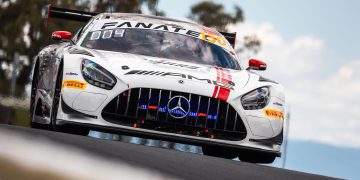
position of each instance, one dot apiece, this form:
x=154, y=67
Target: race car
x=158, y=78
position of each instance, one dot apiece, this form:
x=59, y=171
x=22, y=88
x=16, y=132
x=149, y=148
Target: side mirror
x=255, y=64
x=61, y=35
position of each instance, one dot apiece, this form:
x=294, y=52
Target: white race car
x=159, y=78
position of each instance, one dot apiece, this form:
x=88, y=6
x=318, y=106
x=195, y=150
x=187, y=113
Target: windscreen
x=160, y=44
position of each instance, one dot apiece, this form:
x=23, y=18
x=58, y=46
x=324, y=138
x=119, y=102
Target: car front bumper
x=261, y=147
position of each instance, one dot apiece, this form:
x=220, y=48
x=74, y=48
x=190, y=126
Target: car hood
x=139, y=71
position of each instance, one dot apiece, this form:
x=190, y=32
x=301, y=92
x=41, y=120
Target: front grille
x=148, y=109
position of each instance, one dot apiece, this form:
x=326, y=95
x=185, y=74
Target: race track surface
x=170, y=162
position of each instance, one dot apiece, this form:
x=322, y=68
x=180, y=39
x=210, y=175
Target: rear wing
x=68, y=14
x=231, y=37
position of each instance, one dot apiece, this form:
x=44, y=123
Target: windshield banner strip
x=213, y=38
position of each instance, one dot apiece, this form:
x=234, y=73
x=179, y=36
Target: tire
x=56, y=99
x=36, y=125
x=33, y=103
x=255, y=157
x=34, y=84
x=55, y=107
x=73, y=130
x=218, y=151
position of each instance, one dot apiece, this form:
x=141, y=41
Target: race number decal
x=119, y=32
x=107, y=34
x=95, y=35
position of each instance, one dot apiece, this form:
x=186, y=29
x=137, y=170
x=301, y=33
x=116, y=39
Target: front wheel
x=73, y=130
x=218, y=151
x=35, y=106
x=255, y=157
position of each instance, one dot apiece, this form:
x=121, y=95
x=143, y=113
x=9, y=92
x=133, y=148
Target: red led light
x=152, y=107
x=135, y=125
x=142, y=121
x=202, y=115
x=212, y=136
x=206, y=130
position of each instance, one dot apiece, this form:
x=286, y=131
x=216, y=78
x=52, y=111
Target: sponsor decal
x=75, y=84
x=206, y=34
x=125, y=67
x=213, y=38
x=277, y=103
x=225, y=85
x=71, y=74
x=274, y=113
x=165, y=62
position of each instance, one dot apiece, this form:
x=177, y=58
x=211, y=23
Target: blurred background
x=311, y=47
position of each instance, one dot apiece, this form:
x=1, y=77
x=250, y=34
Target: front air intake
x=148, y=109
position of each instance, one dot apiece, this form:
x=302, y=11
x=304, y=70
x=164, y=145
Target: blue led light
x=176, y=111
x=162, y=109
x=191, y=114
x=143, y=106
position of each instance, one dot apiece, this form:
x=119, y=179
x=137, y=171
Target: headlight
x=256, y=99
x=97, y=75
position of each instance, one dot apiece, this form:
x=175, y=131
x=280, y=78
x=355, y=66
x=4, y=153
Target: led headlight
x=97, y=75
x=256, y=99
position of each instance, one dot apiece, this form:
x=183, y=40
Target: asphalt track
x=171, y=162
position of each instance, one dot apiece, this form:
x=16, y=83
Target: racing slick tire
x=33, y=103
x=218, y=151
x=255, y=157
x=55, y=107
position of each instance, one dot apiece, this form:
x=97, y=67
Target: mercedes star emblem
x=178, y=107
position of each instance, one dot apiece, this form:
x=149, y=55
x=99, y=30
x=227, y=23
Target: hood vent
x=74, y=50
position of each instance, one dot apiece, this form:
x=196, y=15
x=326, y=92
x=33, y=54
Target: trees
x=22, y=30
x=213, y=15
x=250, y=45
x=126, y=6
